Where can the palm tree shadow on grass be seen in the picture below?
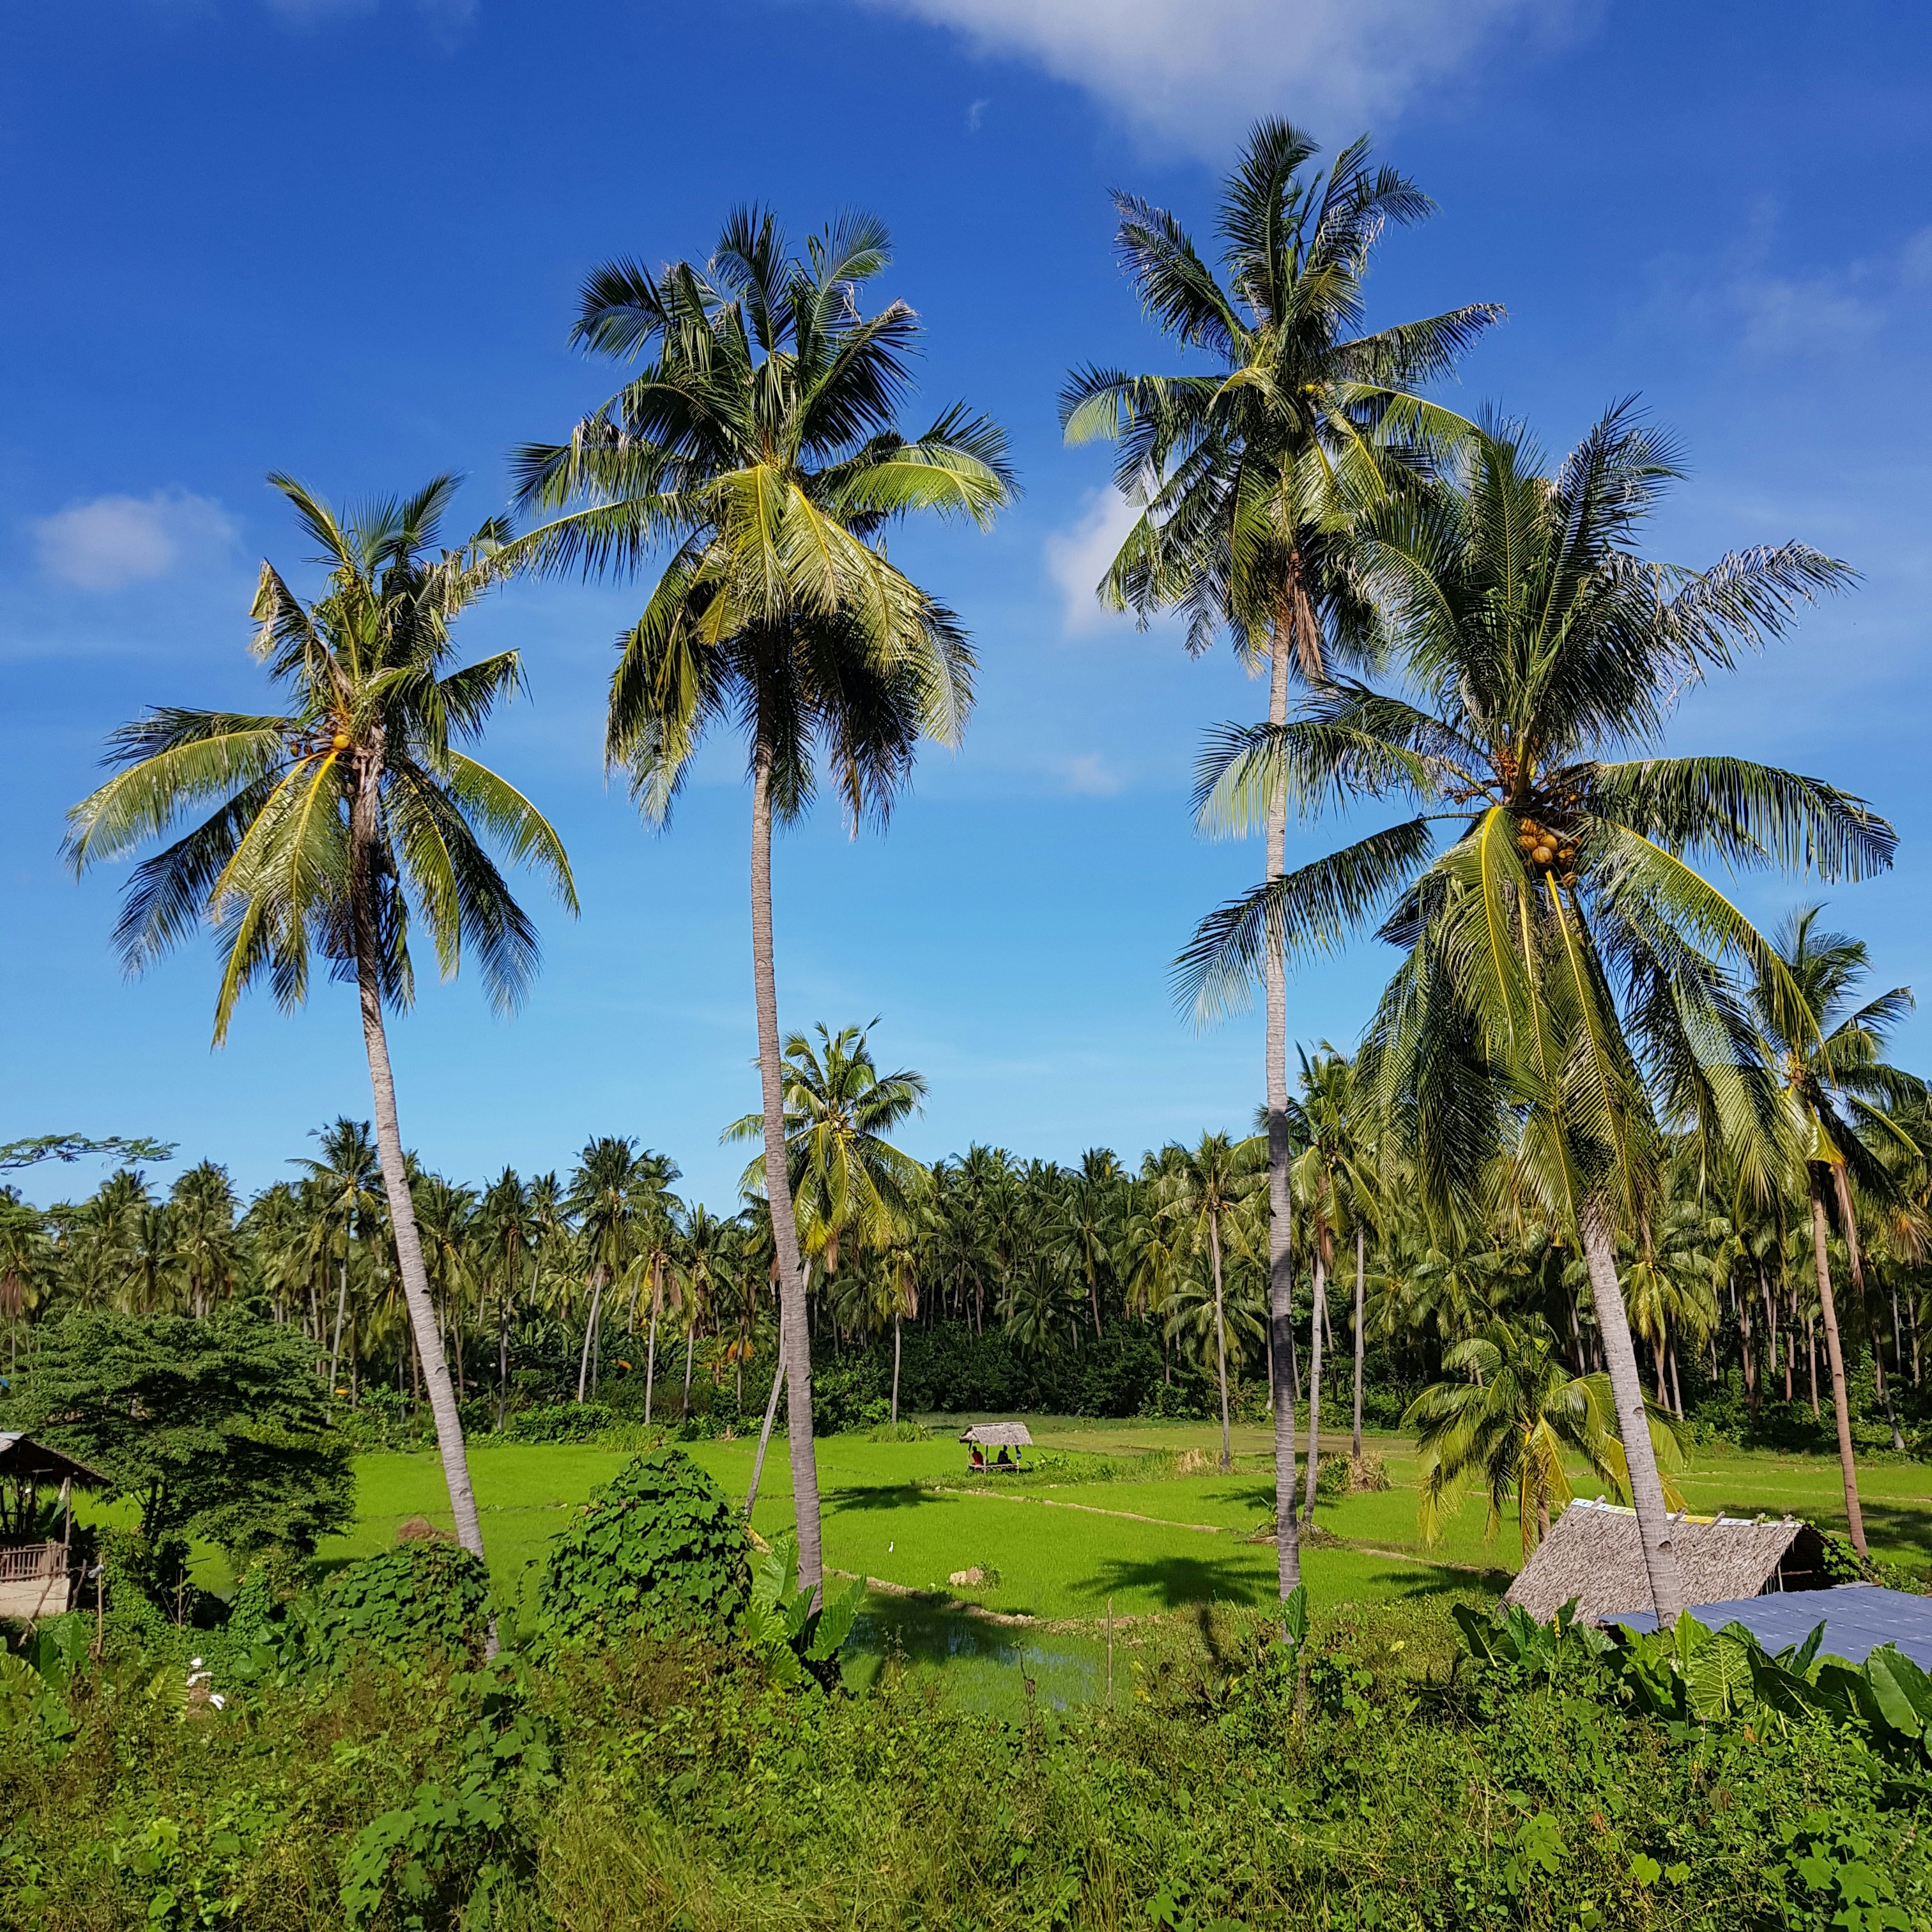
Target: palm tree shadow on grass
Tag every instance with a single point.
(1180, 1581)
(870, 1496)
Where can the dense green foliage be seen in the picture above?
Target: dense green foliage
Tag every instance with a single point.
(1396, 1784)
(426, 1595)
(658, 1549)
(218, 1428)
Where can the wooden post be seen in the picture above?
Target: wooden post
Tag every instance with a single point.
(1110, 1653)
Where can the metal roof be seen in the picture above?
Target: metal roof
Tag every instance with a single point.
(999, 1435)
(26, 1460)
(1857, 1617)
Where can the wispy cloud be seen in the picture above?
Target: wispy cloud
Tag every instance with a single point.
(447, 18)
(1088, 775)
(1776, 309)
(976, 114)
(1077, 558)
(102, 544)
(1190, 70)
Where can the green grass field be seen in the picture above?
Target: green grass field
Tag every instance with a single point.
(1063, 1543)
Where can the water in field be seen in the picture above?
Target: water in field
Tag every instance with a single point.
(980, 1666)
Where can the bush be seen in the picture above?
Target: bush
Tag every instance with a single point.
(428, 1595)
(559, 1422)
(899, 1432)
(658, 1549)
(1351, 1475)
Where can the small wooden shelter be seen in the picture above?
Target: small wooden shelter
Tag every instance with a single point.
(1592, 1556)
(37, 1575)
(1006, 1439)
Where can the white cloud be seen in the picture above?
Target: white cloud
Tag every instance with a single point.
(1088, 775)
(114, 541)
(1196, 71)
(1077, 559)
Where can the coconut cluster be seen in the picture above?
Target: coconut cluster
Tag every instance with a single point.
(1548, 849)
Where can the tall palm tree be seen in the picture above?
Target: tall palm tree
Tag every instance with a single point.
(201, 1208)
(614, 1192)
(1507, 1425)
(1827, 1057)
(1204, 1187)
(1245, 476)
(342, 822)
(345, 1181)
(1566, 963)
(702, 1260)
(506, 1231)
(757, 445)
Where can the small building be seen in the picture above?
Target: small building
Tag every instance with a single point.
(37, 1575)
(1592, 1556)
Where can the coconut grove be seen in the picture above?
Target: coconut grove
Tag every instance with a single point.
(1240, 1530)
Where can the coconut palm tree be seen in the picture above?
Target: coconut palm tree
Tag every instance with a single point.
(702, 1261)
(506, 1233)
(344, 822)
(1828, 1058)
(757, 447)
(1507, 1425)
(1245, 476)
(1567, 965)
(613, 1193)
(1204, 1187)
(346, 1182)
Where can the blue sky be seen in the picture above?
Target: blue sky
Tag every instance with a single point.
(343, 239)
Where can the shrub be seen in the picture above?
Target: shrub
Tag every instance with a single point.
(559, 1422)
(426, 1594)
(899, 1432)
(1351, 1475)
(657, 1549)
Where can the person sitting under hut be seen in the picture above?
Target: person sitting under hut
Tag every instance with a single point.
(978, 1461)
(1005, 1458)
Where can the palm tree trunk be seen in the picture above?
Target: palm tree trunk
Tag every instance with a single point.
(341, 1311)
(651, 1347)
(1355, 1445)
(1281, 1200)
(895, 1370)
(1835, 1356)
(765, 1433)
(1315, 1326)
(1747, 1354)
(409, 1247)
(590, 1328)
(502, 1363)
(796, 1349)
(690, 1342)
(1220, 1339)
(1811, 1362)
(1653, 1519)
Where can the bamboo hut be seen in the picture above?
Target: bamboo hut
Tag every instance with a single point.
(1592, 1556)
(37, 1575)
(1006, 1439)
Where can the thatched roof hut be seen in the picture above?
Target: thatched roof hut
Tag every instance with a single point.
(999, 1435)
(1592, 1555)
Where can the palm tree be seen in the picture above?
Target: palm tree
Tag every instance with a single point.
(613, 1193)
(506, 1232)
(758, 445)
(344, 822)
(1565, 960)
(1205, 1186)
(702, 1260)
(1244, 476)
(1828, 1057)
(345, 1180)
(201, 1209)
(844, 1181)
(1508, 1424)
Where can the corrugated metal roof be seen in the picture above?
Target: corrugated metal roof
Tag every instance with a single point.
(1857, 1617)
(25, 1459)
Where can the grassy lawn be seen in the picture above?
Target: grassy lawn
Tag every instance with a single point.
(1062, 1543)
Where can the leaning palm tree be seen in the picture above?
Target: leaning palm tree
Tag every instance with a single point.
(1246, 475)
(344, 821)
(1510, 1422)
(758, 446)
(1567, 972)
(1828, 1058)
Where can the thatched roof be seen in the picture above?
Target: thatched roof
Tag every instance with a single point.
(999, 1435)
(1592, 1554)
(24, 1460)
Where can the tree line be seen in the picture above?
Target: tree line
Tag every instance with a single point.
(1449, 622)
